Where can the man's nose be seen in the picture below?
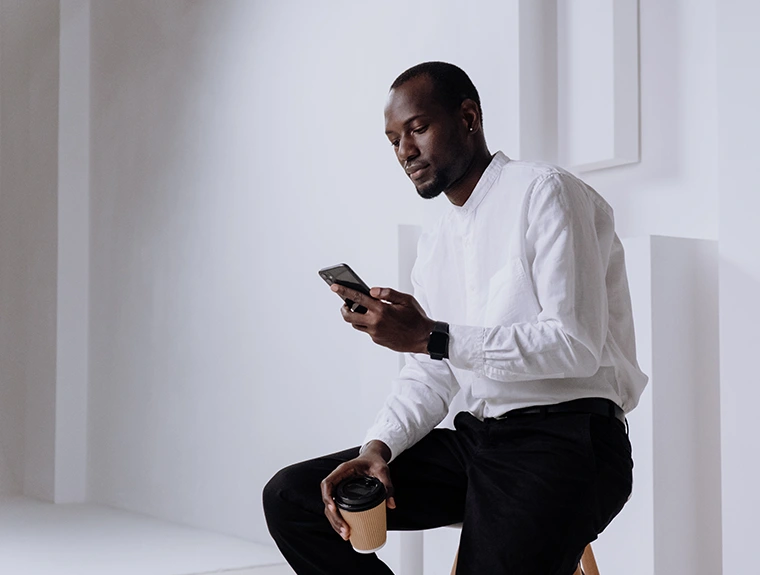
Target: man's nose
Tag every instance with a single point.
(407, 150)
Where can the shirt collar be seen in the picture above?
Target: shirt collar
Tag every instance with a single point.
(484, 184)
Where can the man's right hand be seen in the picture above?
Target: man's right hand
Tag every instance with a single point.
(373, 461)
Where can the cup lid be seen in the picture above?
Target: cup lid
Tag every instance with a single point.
(359, 493)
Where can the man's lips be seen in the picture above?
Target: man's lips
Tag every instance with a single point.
(415, 170)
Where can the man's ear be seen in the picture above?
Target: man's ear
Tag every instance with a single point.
(470, 115)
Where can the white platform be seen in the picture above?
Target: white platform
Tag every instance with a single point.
(38, 538)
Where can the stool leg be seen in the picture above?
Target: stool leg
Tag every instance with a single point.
(454, 568)
(589, 562)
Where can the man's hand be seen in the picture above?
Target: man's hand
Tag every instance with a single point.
(394, 320)
(372, 462)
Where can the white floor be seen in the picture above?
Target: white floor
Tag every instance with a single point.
(38, 538)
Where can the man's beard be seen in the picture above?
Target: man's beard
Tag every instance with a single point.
(434, 188)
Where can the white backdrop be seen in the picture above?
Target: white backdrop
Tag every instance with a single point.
(236, 147)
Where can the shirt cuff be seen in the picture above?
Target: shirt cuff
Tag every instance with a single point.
(395, 439)
(466, 347)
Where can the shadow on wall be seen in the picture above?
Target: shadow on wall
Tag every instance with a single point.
(8, 485)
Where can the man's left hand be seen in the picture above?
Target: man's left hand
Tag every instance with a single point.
(394, 320)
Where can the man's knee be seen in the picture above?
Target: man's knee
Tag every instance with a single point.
(274, 491)
(288, 491)
(296, 489)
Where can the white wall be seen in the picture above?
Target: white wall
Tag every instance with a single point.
(237, 147)
(738, 97)
(28, 211)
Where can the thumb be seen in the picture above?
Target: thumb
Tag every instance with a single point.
(389, 295)
(385, 479)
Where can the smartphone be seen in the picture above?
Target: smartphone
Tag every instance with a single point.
(343, 275)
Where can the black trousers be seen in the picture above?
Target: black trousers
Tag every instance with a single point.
(531, 492)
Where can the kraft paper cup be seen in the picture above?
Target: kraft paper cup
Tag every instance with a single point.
(361, 501)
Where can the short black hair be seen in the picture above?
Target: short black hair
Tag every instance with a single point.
(451, 84)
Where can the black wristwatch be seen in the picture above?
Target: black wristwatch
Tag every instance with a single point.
(438, 343)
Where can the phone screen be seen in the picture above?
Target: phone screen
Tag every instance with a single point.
(342, 274)
(345, 276)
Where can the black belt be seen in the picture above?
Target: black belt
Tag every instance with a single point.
(595, 405)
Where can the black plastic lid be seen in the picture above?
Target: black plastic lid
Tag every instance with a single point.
(359, 493)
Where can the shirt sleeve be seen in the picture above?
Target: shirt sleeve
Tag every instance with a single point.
(568, 237)
(419, 399)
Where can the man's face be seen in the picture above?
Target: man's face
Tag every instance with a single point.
(430, 141)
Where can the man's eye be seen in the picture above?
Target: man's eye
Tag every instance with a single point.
(394, 143)
(420, 130)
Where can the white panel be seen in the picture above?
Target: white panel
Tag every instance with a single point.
(9, 485)
(672, 523)
(441, 547)
(408, 236)
(738, 66)
(627, 545)
(626, 83)
(73, 253)
(404, 552)
(597, 43)
(28, 241)
(538, 80)
(686, 404)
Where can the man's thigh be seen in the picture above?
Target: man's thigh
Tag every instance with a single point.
(429, 481)
(536, 496)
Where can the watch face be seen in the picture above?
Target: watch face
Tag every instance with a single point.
(438, 344)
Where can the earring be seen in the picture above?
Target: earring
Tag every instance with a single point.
(470, 128)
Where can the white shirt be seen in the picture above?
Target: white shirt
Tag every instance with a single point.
(530, 275)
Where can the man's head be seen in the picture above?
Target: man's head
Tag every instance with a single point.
(433, 120)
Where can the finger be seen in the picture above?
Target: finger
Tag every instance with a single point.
(337, 524)
(352, 318)
(348, 315)
(331, 509)
(329, 483)
(385, 479)
(355, 296)
(389, 295)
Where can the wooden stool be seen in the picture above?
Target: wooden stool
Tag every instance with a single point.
(587, 566)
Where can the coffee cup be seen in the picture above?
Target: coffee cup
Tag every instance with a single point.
(361, 501)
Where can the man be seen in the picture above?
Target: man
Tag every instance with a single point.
(522, 303)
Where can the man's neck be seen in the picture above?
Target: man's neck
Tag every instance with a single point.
(462, 189)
